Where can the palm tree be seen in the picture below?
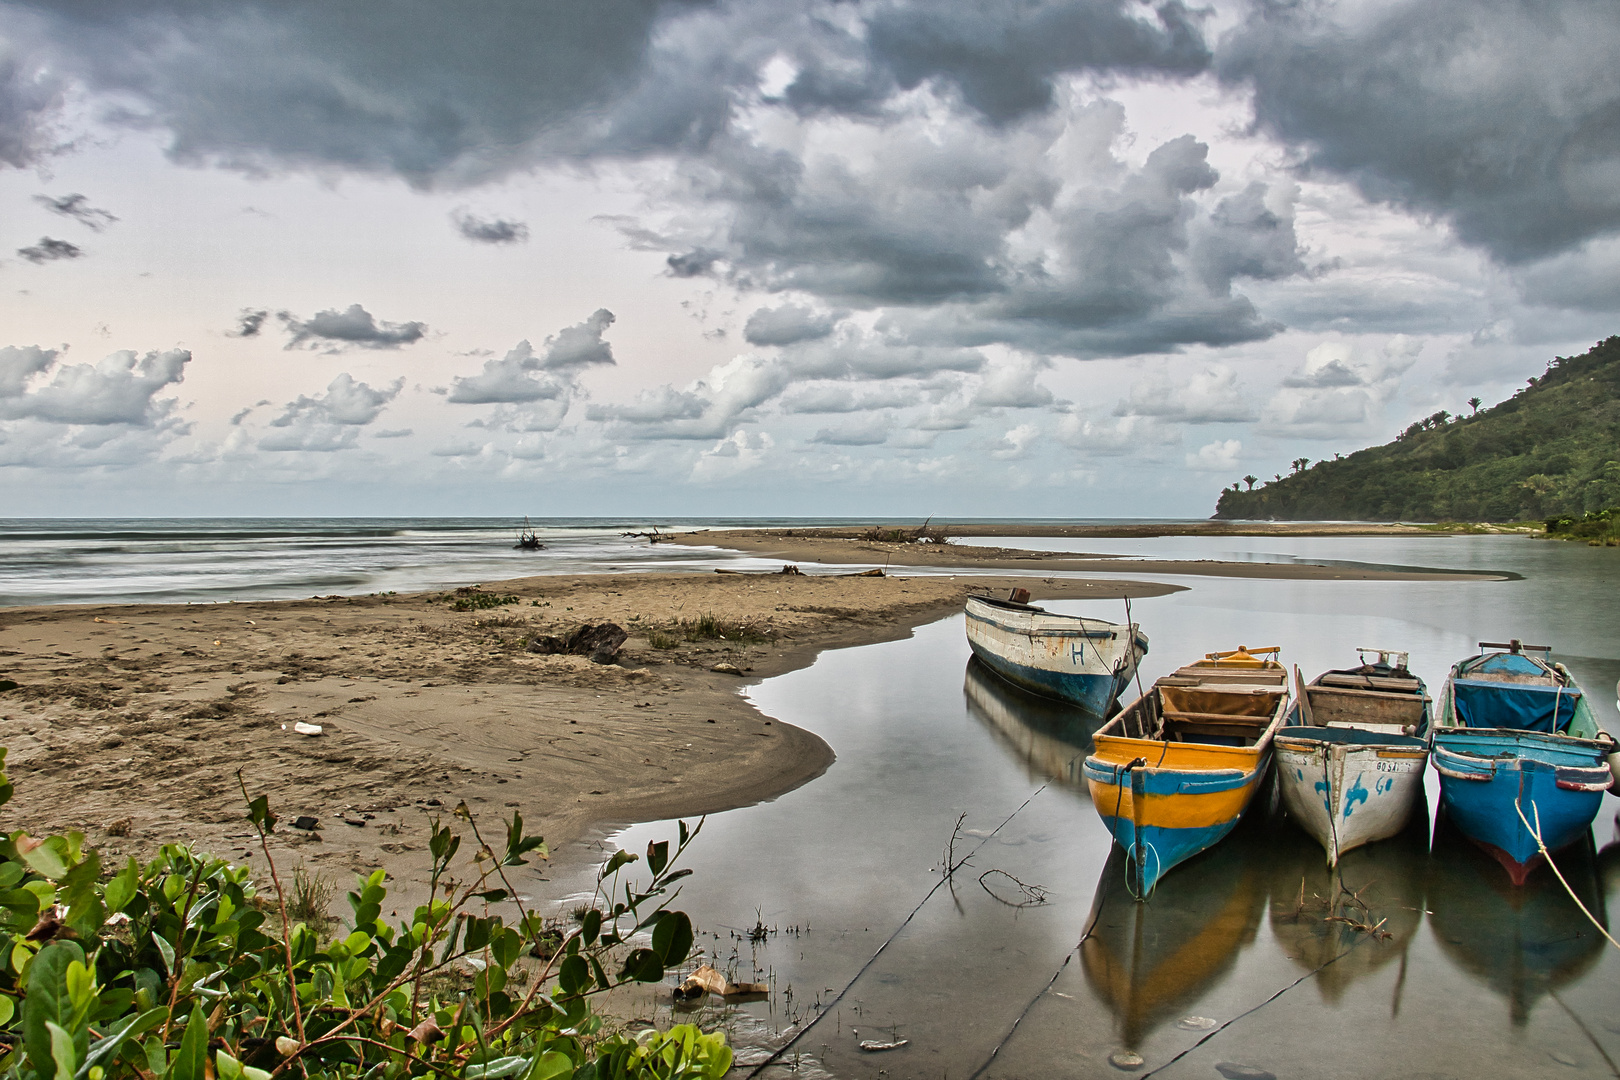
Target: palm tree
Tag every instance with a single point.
(1474, 403)
(1250, 481)
(1300, 463)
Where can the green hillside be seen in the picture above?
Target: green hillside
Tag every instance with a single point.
(1551, 450)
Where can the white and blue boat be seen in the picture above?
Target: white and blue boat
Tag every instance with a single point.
(1515, 741)
(1085, 662)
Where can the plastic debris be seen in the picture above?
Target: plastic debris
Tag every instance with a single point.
(307, 729)
(872, 1046)
(1128, 1060)
(1197, 1023)
(305, 822)
(707, 980)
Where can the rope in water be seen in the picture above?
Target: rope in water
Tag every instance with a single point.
(945, 877)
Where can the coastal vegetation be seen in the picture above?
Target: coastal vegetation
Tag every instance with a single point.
(1551, 452)
(182, 969)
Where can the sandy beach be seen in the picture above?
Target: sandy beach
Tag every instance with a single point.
(131, 722)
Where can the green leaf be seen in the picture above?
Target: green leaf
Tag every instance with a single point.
(261, 815)
(657, 856)
(226, 1067)
(134, 1027)
(8, 1009)
(47, 1001)
(120, 890)
(551, 1065)
(63, 1056)
(591, 925)
(573, 976)
(46, 859)
(620, 858)
(191, 1059)
(642, 965)
(498, 1069)
(672, 938)
(165, 949)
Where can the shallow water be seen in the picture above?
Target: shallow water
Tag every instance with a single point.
(1476, 978)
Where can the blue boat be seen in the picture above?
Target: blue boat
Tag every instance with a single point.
(1085, 662)
(1515, 736)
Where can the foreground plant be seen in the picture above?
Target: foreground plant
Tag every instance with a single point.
(176, 970)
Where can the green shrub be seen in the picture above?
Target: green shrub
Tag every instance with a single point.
(172, 970)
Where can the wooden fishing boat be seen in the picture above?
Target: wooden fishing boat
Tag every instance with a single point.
(1085, 662)
(1350, 758)
(1175, 770)
(1515, 741)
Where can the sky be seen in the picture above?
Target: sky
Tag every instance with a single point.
(1032, 258)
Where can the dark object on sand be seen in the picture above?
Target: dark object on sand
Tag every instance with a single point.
(305, 822)
(528, 539)
(599, 642)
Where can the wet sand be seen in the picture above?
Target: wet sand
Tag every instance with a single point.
(131, 722)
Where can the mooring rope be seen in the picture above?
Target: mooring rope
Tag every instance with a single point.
(945, 877)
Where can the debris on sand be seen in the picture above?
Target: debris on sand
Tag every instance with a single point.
(873, 1046)
(600, 642)
(706, 980)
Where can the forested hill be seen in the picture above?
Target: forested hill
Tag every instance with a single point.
(1552, 449)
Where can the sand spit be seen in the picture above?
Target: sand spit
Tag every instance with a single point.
(131, 722)
(853, 547)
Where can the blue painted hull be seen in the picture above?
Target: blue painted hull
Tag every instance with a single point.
(1171, 814)
(1094, 694)
(1488, 775)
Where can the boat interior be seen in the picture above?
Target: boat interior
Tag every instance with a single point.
(1212, 701)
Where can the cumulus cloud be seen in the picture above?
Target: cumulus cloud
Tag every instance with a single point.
(512, 378)
(121, 389)
(1134, 436)
(788, 325)
(329, 421)
(1015, 443)
(49, 250)
(546, 381)
(580, 346)
(736, 453)
(1011, 385)
(78, 208)
(1339, 390)
(1218, 456)
(355, 325)
(1210, 395)
(1498, 116)
(489, 230)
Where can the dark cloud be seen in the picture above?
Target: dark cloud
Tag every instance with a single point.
(122, 389)
(352, 326)
(694, 263)
(48, 250)
(490, 230)
(580, 346)
(787, 325)
(1499, 116)
(249, 323)
(30, 98)
(78, 208)
(1004, 54)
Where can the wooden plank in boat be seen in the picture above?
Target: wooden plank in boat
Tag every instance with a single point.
(1368, 682)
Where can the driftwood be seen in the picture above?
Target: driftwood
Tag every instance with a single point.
(600, 642)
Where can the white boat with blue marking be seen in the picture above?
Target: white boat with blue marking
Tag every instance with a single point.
(1085, 662)
(1350, 760)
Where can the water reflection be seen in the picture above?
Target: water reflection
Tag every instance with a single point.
(1050, 738)
(1365, 912)
(1521, 941)
(1150, 961)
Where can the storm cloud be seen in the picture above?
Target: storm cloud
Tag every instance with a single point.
(1501, 117)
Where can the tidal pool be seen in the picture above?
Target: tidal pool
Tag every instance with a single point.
(1249, 960)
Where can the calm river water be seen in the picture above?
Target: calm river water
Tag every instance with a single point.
(1233, 964)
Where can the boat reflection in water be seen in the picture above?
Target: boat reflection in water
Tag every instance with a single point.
(1521, 941)
(1150, 962)
(1049, 737)
(1365, 911)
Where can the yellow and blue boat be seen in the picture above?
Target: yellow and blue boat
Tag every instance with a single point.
(1175, 770)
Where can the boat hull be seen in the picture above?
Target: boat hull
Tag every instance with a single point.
(1489, 775)
(1164, 815)
(1086, 663)
(1345, 789)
